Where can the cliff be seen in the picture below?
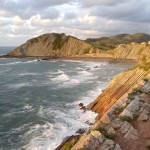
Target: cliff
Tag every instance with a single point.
(52, 45)
(115, 107)
(60, 45)
(124, 127)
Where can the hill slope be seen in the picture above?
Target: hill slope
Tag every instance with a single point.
(107, 43)
(52, 45)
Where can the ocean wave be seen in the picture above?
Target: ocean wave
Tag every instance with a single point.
(78, 61)
(19, 62)
(62, 77)
(66, 122)
(18, 85)
(29, 74)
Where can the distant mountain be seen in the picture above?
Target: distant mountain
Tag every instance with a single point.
(53, 45)
(106, 43)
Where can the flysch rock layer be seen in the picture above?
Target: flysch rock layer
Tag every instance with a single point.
(123, 127)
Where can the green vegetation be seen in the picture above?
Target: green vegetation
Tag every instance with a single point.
(126, 118)
(104, 132)
(140, 51)
(146, 66)
(60, 40)
(88, 132)
(106, 43)
(86, 50)
(70, 144)
(135, 116)
(84, 148)
(118, 110)
(34, 40)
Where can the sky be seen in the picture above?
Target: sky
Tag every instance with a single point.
(21, 20)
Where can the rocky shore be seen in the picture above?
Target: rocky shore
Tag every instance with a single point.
(123, 108)
(124, 127)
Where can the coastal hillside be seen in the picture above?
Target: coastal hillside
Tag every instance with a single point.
(123, 108)
(52, 45)
(106, 43)
(60, 45)
(123, 111)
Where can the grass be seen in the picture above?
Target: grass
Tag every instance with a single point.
(118, 110)
(59, 41)
(145, 66)
(105, 133)
(70, 144)
(126, 118)
(135, 116)
(86, 50)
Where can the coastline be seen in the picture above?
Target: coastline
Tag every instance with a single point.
(127, 87)
(78, 58)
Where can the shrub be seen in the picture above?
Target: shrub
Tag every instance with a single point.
(126, 118)
(118, 110)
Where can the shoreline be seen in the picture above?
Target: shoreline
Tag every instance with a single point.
(80, 58)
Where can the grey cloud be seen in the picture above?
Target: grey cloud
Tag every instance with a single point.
(70, 15)
(26, 9)
(50, 13)
(91, 3)
(129, 11)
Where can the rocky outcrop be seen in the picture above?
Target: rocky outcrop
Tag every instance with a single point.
(60, 45)
(119, 87)
(53, 45)
(128, 125)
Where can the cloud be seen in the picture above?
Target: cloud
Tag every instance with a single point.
(91, 3)
(70, 15)
(129, 11)
(21, 20)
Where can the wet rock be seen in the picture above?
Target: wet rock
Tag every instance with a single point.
(96, 67)
(81, 131)
(88, 122)
(81, 105)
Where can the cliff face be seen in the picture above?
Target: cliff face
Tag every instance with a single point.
(52, 45)
(133, 51)
(123, 127)
(60, 45)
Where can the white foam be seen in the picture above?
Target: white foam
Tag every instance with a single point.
(84, 72)
(78, 61)
(62, 77)
(79, 68)
(27, 106)
(29, 74)
(18, 85)
(49, 136)
(19, 62)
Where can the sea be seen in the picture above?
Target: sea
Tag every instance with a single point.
(39, 99)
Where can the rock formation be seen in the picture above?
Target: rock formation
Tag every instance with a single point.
(52, 45)
(115, 107)
(60, 45)
(123, 127)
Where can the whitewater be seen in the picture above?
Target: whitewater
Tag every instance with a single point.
(39, 100)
